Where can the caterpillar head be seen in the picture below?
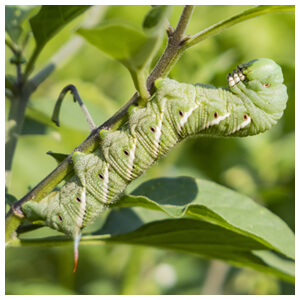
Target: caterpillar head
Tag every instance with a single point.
(259, 83)
(263, 70)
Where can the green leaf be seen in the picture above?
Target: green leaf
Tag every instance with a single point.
(122, 42)
(127, 45)
(10, 82)
(59, 157)
(205, 200)
(156, 19)
(51, 19)
(202, 218)
(10, 199)
(194, 237)
(221, 224)
(14, 17)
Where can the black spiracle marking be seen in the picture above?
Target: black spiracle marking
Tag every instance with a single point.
(152, 128)
(180, 112)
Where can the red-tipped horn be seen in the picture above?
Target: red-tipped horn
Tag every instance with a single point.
(76, 244)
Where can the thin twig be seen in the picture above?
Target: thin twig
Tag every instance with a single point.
(170, 55)
(19, 77)
(12, 46)
(184, 21)
(17, 61)
(236, 19)
(74, 92)
(31, 62)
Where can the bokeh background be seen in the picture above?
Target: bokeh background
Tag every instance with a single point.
(262, 167)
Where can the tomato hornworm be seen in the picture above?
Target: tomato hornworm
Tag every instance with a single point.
(253, 103)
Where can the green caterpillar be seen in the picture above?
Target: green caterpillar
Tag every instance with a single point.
(255, 100)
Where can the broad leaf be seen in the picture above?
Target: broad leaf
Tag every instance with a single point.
(51, 19)
(207, 220)
(209, 201)
(133, 226)
(202, 218)
(121, 42)
(129, 46)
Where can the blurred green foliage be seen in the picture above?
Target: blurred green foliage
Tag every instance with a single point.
(262, 167)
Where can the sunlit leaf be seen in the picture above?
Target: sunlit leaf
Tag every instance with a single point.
(122, 42)
(194, 237)
(51, 19)
(209, 201)
(131, 47)
(206, 219)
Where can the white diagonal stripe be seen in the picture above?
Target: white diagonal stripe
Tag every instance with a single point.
(158, 128)
(242, 125)
(131, 159)
(79, 219)
(158, 133)
(105, 184)
(185, 117)
(216, 121)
